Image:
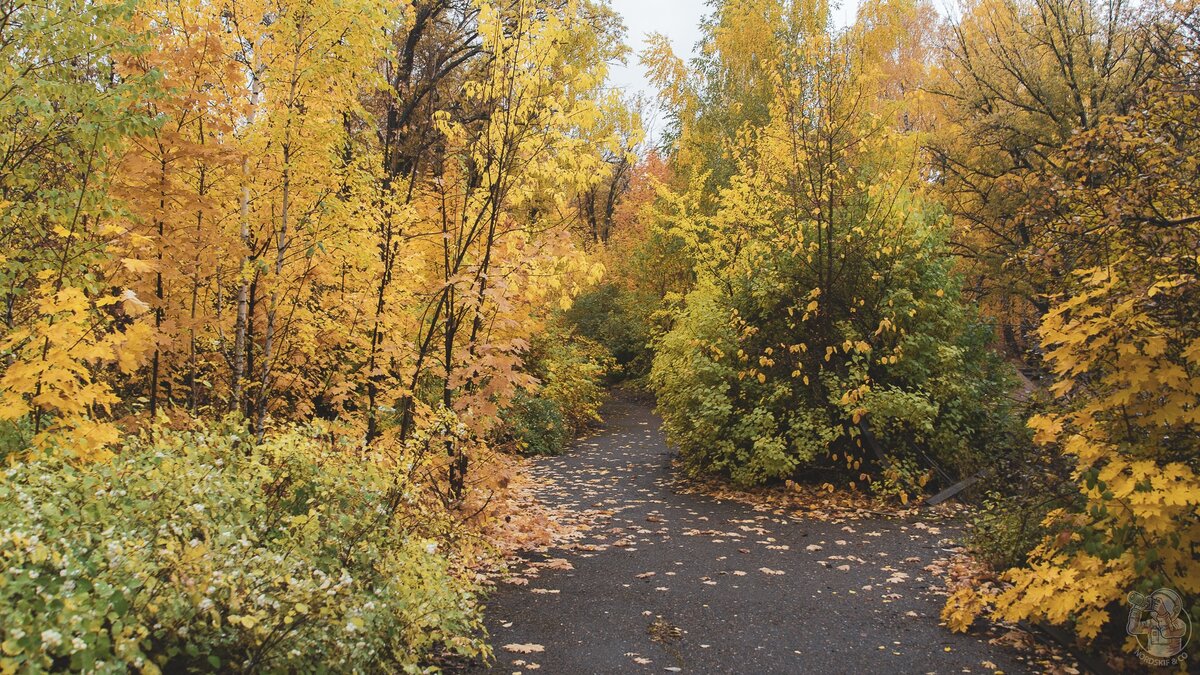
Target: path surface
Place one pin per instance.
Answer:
(734, 590)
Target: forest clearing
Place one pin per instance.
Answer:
(506, 336)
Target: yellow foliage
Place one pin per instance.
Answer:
(53, 373)
(1120, 342)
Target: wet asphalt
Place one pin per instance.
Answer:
(673, 582)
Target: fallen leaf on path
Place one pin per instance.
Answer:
(527, 648)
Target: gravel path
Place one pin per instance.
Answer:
(669, 582)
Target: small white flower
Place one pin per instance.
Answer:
(198, 508)
(350, 627)
(51, 639)
(78, 645)
(431, 547)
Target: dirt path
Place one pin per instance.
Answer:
(732, 590)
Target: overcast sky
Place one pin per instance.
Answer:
(677, 19)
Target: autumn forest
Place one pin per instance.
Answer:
(301, 296)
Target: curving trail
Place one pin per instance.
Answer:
(733, 590)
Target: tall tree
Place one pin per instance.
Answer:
(825, 315)
(1018, 79)
(1123, 344)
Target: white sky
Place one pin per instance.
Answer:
(679, 20)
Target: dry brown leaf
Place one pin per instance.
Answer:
(527, 648)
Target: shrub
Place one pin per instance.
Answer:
(195, 551)
(763, 374)
(571, 370)
(826, 323)
(1005, 527)
(617, 319)
(535, 425)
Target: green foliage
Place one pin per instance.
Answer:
(15, 437)
(1006, 527)
(900, 477)
(619, 320)
(535, 425)
(572, 370)
(752, 386)
(197, 551)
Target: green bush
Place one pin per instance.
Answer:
(1012, 501)
(535, 425)
(196, 551)
(764, 373)
(618, 320)
(1005, 528)
(572, 370)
